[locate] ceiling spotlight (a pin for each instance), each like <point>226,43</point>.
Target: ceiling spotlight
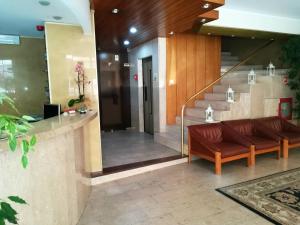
<point>126,42</point>
<point>209,33</point>
<point>57,17</point>
<point>133,30</point>
<point>44,3</point>
<point>203,20</point>
<point>172,33</point>
<point>206,6</point>
<point>232,35</point>
<point>253,37</point>
<point>115,11</point>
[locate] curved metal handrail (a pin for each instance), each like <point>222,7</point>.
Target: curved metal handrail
<point>214,82</point>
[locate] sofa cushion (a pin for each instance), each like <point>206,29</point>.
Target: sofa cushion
<point>263,143</point>
<point>231,149</point>
<point>210,132</point>
<point>274,123</point>
<point>244,127</point>
<point>293,137</point>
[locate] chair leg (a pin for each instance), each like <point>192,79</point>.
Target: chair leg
<point>189,148</point>
<point>285,148</point>
<point>190,158</point>
<point>218,163</point>
<point>278,153</point>
<point>251,158</point>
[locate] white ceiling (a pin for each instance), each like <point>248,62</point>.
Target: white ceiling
<point>260,15</point>
<point>20,17</point>
<point>286,8</point>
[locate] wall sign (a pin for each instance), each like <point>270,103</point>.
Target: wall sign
<point>286,108</point>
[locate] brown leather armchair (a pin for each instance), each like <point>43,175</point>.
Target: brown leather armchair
<point>289,133</point>
<point>219,144</point>
<point>263,140</point>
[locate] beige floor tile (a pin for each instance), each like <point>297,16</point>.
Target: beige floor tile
<point>180,195</point>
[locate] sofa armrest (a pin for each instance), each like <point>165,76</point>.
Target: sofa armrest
<point>199,144</point>
<point>289,126</point>
<point>229,134</point>
<point>266,133</point>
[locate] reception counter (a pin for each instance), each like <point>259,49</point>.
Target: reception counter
<point>55,184</point>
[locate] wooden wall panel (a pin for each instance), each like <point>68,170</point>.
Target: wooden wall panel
<point>171,81</point>
<point>181,64</point>
<point>191,66</point>
<point>200,64</point>
<point>193,61</point>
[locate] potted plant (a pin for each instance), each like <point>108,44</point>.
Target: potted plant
<point>80,80</point>
<point>291,57</point>
<point>14,129</point>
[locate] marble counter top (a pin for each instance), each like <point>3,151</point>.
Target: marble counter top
<point>55,126</point>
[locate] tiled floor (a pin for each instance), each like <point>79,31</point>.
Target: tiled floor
<point>180,195</point>
<point>124,147</point>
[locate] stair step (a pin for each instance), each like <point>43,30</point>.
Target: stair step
<point>226,53</point>
<point>258,73</point>
<point>189,121</point>
<point>172,137</point>
<point>229,63</point>
<point>227,57</point>
<point>218,96</point>
<point>200,113</point>
<point>235,80</point>
<point>217,105</point>
<point>243,68</point>
<point>240,88</point>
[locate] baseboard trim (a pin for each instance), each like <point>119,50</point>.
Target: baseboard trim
<point>132,172</point>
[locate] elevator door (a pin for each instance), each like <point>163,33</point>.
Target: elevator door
<point>148,95</point>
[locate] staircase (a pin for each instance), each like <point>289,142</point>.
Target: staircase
<point>248,99</point>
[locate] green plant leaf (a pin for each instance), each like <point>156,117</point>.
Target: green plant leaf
<point>17,199</point>
<point>12,141</point>
<point>71,102</point>
<point>8,213</point>
<point>2,222</point>
<point>25,146</point>
<point>32,141</point>
<point>24,161</point>
<point>8,209</point>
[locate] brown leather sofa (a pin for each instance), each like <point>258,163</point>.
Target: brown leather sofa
<point>261,139</point>
<point>219,144</point>
<point>289,133</point>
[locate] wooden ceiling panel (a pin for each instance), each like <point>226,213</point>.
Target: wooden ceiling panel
<point>152,18</point>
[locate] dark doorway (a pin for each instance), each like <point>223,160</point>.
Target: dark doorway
<point>148,95</point>
<point>114,91</point>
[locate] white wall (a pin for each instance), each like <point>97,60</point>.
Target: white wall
<point>157,49</point>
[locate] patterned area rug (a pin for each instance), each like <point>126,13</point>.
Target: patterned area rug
<point>275,197</point>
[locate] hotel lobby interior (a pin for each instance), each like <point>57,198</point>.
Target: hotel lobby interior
<point>158,112</point>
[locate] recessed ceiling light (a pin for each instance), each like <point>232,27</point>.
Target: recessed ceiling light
<point>133,30</point>
<point>44,3</point>
<point>203,20</point>
<point>115,11</point>
<point>57,17</point>
<point>172,33</point>
<point>232,35</point>
<point>253,37</point>
<point>126,42</point>
<point>209,33</point>
<point>206,6</point>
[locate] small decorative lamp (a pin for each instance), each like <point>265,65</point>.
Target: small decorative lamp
<point>230,95</point>
<point>271,70</point>
<point>252,77</point>
<point>209,114</point>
